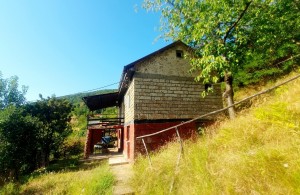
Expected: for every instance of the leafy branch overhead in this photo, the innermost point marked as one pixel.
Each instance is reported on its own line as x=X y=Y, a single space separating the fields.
x=229 y=35
x=237 y=39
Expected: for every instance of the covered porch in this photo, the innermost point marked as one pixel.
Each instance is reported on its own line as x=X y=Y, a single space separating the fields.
x=104 y=132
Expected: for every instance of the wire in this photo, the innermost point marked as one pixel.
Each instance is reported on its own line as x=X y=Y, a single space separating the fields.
x=91 y=90
x=88 y=91
x=98 y=88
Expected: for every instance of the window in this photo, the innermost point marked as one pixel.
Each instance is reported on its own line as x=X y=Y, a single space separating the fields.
x=179 y=53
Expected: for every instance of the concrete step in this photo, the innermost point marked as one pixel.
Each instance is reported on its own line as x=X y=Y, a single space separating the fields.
x=122 y=190
x=117 y=160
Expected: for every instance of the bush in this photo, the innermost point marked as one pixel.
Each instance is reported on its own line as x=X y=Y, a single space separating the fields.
x=71 y=147
x=10 y=189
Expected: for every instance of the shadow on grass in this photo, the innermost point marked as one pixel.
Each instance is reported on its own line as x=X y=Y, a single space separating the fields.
x=67 y=167
x=73 y=164
x=63 y=165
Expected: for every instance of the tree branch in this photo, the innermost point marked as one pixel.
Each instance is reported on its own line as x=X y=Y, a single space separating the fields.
x=236 y=22
x=171 y=3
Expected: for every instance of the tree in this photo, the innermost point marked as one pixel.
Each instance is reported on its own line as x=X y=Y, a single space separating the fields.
x=229 y=36
x=16 y=129
x=29 y=133
x=9 y=92
x=55 y=115
x=18 y=142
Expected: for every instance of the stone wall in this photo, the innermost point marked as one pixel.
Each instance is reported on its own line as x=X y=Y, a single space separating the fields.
x=170 y=97
x=163 y=88
x=166 y=63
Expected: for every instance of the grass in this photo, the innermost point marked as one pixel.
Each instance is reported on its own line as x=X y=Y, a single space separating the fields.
x=257 y=153
x=76 y=178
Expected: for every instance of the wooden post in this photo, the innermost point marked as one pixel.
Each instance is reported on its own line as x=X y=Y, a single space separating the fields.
x=178 y=159
x=147 y=153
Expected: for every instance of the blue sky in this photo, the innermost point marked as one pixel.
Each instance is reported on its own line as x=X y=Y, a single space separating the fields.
x=63 y=47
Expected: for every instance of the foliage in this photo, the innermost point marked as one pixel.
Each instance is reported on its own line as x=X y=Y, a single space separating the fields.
x=55 y=115
x=230 y=35
x=111 y=112
x=18 y=142
x=274 y=37
x=258 y=153
x=29 y=135
x=10 y=189
x=246 y=40
x=9 y=92
x=72 y=146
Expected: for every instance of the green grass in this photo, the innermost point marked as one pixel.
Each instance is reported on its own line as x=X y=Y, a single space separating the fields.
x=257 y=153
x=68 y=177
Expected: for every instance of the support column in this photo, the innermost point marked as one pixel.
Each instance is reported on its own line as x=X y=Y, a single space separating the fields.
x=87 y=148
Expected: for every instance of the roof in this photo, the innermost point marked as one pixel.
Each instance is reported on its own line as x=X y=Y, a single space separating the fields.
x=128 y=69
x=131 y=65
x=96 y=102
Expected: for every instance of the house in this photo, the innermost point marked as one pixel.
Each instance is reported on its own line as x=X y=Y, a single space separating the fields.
x=155 y=92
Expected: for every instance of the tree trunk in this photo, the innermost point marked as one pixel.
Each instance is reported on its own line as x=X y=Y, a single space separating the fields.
x=46 y=157
x=228 y=94
x=12 y=175
x=42 y=159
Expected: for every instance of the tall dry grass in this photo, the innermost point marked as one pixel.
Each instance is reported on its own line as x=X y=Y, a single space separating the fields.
x=97 y=180
x=257 y=153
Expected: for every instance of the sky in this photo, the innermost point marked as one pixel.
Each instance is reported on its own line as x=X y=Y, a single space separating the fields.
x=62 y=47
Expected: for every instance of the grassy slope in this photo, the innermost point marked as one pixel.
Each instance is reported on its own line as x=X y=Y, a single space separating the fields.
x=82 y=179
x=259 y=152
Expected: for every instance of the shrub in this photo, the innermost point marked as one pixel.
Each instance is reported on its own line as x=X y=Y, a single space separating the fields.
x=71 y=147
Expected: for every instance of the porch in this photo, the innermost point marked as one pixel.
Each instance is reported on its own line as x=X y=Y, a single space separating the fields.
x=99 y=121
x=103 y=131
x=113 y=156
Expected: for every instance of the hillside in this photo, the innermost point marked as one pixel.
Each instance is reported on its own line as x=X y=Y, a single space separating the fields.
x=257 y=153
x=80 y=110
x=77 y=98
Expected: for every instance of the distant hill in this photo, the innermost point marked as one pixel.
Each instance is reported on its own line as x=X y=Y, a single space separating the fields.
x=77 y=98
